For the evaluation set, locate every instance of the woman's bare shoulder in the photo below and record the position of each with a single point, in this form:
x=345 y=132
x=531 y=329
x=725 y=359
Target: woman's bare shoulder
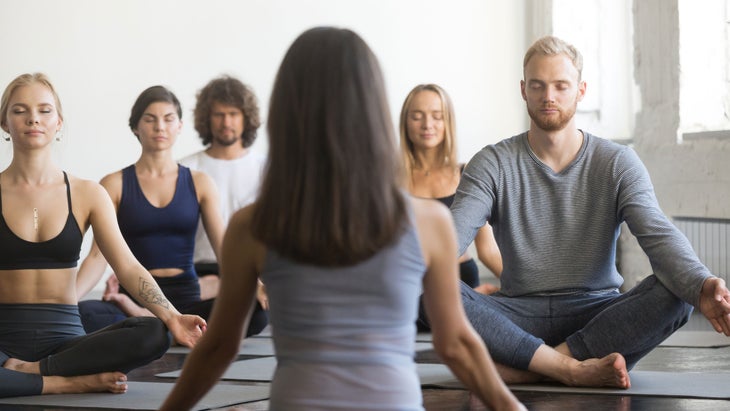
x=82 y=183
x=433 y=225
x=203 y=182
x=243 y=217
x=426 y=209
x=87 y=190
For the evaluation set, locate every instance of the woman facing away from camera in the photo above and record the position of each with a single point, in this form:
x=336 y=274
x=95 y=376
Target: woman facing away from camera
x=44 y=213
x=344 y=268
x=158 y=203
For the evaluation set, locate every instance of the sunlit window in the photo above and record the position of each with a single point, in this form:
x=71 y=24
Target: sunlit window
x=704 y=43
x=602 y=30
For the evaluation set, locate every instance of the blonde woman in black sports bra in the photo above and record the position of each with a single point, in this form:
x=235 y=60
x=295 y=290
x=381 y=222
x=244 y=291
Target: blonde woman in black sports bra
x=43 y=348
x=428 y=146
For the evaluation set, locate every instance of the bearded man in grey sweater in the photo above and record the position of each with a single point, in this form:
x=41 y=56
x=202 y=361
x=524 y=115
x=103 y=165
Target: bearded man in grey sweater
x=555 y=196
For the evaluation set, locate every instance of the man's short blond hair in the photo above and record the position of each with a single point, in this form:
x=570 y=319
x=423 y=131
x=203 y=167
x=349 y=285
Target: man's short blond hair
x=552 y=46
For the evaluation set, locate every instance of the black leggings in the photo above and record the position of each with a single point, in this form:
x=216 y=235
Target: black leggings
x=97 y=314
x=469 y=273
x=183 y=291
x=52 y=334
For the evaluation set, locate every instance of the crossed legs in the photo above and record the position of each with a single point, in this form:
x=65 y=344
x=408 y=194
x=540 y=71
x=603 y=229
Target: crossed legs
x=23 y=378
x=588 y=339
x=63 y=363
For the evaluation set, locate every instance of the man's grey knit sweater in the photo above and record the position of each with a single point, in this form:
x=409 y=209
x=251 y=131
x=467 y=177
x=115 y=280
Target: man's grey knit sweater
x=557 y=231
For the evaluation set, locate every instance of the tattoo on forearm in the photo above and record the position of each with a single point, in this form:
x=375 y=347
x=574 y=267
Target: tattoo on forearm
x=151 y=293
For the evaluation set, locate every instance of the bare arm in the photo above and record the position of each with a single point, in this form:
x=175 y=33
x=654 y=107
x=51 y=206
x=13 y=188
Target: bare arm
x=94 y=265
x=90 y=271
x=487 y=250
x=241 y=262
x=214 y=226
x=210 y=210
x=454 y=339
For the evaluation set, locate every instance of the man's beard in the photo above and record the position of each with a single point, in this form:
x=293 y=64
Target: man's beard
x=552 y=123
x=226 y=141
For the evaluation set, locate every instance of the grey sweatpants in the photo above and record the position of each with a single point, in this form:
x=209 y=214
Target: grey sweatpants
x=593 y=324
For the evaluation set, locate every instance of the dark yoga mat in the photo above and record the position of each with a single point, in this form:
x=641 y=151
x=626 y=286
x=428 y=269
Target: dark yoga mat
x=714 y=385
x=263 y=346
x=146 y=396
x=697 y=339
x=653 y=383
x=257 y=369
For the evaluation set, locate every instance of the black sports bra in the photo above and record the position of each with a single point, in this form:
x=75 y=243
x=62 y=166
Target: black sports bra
x=448 y=200
x=61 y=251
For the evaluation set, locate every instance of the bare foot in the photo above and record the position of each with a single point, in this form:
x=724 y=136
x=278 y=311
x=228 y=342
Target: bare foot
x=486 y=288
x=126 y=304
x=22 y=366
x=114 y=382
x=609 y=371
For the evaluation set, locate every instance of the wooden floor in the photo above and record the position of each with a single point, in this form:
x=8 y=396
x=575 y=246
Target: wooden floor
x=661 y=359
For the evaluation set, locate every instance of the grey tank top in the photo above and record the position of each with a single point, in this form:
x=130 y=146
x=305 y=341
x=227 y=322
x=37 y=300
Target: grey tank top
x=355 y=322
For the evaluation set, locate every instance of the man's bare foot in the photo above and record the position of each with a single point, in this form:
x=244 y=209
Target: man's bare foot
x=609 y=371
x=114 y=382
x=126 y=304
x=514 y=376
x=22 y=366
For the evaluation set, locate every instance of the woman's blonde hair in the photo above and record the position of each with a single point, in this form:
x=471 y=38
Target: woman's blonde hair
x=22 y=81
x=448 y=148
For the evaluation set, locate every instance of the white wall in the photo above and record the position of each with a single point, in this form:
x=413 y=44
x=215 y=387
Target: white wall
x=102 y=54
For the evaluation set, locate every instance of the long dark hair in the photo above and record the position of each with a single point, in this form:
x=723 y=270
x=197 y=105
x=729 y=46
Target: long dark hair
x=331 y=193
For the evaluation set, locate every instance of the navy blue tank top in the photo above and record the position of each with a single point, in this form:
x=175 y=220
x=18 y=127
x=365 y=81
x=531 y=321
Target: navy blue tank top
x=160 y=237
x=62 y=251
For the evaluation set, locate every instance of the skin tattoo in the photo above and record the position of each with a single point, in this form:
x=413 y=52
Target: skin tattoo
x=152 y=294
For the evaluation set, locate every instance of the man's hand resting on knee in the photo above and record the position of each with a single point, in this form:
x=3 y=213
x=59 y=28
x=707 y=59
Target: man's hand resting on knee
x=715 y=304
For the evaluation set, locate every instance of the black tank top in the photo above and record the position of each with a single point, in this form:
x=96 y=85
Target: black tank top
x=448 y=200
x=61 y=251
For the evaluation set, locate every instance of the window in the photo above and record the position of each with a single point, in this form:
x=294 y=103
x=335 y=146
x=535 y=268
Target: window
x=602 y=30
x=704 y=93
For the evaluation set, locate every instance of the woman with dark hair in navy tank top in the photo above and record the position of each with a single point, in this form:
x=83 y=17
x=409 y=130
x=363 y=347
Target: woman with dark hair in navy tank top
x=43 y=347
x=158 y=205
